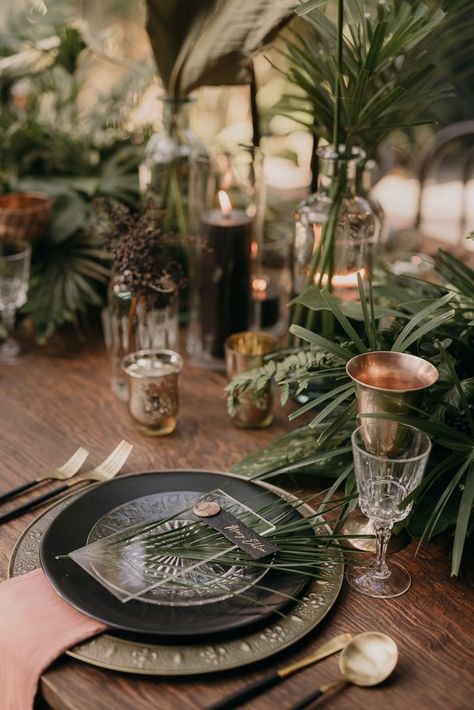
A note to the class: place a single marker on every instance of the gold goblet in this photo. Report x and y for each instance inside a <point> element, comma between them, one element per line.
<point>386,382</point>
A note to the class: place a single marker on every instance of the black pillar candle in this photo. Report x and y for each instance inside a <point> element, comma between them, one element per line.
<point>224,281</point>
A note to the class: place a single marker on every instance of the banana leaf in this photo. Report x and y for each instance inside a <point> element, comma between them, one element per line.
<point>169,23</point>
<point>211,42</point>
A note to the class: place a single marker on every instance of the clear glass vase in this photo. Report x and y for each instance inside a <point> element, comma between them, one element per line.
<point>170,171</point>
<point>336,231</point>
<point>365,182</point>
<point>135,322</point>
<point>166,166</point>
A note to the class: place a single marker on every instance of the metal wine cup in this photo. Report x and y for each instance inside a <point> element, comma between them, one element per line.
<point>388,382</point>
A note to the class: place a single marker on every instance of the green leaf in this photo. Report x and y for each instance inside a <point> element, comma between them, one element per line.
<point>70,213</point>
<point>319,400</point>
<point>378,38</point>
<point>310,5</point>
<point>368,320</point>
<point>321,342</point>
<point>464,514</point>
<point>311,298</point>
<point>443,500</point>
<point>303,463</point>
<point>339,315</point>
<point>432,325</point>
<point>167,35</point>
<point>421,512</point>
<point>337,483</point>
<point>211,42</point>
<point>337,428</point>
<point>459,388</point>
<point>418,318</point>
<point>445,435</point>
<point>448,463</point>
<point>324,413</point>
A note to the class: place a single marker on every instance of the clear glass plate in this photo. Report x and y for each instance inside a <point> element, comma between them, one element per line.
<point>131,563</point>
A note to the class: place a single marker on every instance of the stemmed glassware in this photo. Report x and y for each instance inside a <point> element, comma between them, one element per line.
<point>15,257</point>
<point>389,465</point>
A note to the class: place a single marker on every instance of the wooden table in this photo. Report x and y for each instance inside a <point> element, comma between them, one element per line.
<point>51,403</point>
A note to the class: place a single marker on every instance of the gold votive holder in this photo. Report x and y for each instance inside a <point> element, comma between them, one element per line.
<point>153,389</point>
<point>245,351</point>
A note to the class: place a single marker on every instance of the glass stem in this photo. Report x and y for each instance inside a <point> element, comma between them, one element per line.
<point>382,537</point>
<point>8,320</point>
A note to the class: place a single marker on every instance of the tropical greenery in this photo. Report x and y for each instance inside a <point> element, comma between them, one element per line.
<point>433,320</point>
<point>389,76</point>
<point>355,79</point>
<point>49,144</point>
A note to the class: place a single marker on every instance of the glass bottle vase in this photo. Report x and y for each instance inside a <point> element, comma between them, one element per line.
<point>166,166</point>
<point>172,155</point>
<point>336,231</point>
<point>365,181</point>
<point>135,322</point>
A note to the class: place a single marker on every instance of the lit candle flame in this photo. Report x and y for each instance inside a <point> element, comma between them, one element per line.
<point>259,287</point>
<point>225,203</point>
<point>341,280</point>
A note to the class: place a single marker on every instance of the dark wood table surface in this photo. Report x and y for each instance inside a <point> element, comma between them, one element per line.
<point>56,401</point>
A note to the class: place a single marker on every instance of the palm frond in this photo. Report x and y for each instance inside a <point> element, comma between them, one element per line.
<point>417,322</point>
<point>389,77</point>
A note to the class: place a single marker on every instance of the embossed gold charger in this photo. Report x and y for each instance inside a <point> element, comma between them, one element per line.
<point>167,655</point>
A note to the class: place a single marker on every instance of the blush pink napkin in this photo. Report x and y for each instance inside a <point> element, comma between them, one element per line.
<point>36,626</point>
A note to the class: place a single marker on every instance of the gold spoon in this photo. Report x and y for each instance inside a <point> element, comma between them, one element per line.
<point>366,660</point>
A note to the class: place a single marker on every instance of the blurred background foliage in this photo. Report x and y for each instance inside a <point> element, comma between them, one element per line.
<point>79,98</point>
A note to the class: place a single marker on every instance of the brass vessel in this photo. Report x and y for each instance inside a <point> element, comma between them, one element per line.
<point>393,383</point>
<point>386,382</point>
<point>244,351</point>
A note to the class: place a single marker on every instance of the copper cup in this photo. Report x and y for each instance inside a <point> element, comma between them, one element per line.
<point>24,215</point>
<point>244,351</point>
<point>393,383</point>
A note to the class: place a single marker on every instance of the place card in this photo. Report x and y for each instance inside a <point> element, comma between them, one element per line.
<point>234,530</point>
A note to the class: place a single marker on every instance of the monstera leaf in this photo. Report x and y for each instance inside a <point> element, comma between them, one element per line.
<point>211,42</point>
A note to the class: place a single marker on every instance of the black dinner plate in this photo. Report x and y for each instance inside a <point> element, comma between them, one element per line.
<point>71,528</point>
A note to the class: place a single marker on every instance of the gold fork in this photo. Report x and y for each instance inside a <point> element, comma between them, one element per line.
<point>108,468</point>
<point>67,470</point>
<point>105,471</point>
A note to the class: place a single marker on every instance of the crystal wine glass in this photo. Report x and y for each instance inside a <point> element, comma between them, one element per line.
<point>14,274</point>
<point>385,477</point>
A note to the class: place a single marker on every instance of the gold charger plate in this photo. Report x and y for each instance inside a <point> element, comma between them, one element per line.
<point>119,654</point>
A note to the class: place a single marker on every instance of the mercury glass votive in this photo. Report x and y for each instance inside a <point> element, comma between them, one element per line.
<point>244,351</point>
<point>153,384</point>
